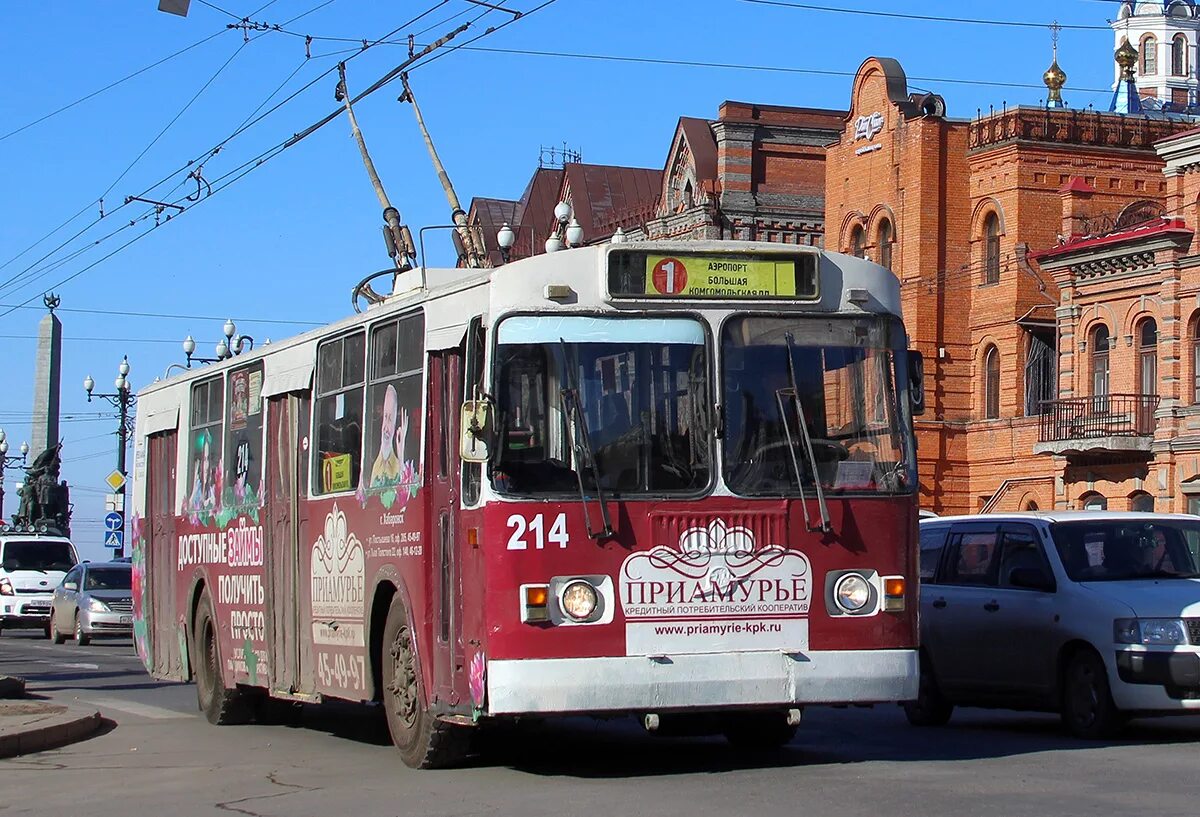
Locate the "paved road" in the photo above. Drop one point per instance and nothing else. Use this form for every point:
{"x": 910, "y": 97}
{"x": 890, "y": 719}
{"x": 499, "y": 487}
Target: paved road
{"x": 161, "y": 757}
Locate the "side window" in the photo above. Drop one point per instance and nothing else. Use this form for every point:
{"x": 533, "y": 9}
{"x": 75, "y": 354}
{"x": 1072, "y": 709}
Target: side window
{"x": 933, "y": 539}
{"x": 473, "y": 385}
{"x": 339, "y": 414}
{"x": 244, "y": 443}
{"x": 204, "y": 451}
{"x": 973, "y": 555}
{"x": 394, "y": 406}
{"x": 73, "y": 576}
{"x": 1020, "y": 549}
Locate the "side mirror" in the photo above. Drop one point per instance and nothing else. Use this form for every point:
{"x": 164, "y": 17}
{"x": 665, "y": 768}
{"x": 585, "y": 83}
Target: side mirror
{"x": 1031, "y": 578}
{"x": 475, "y": 431}
{"x": 70, "y": 585}
{"x": 916, "y": 381}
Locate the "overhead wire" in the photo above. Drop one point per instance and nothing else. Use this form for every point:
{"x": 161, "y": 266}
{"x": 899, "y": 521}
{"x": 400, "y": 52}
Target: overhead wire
{"x": 928, "y": 18}
{"x": 171, "y": 316}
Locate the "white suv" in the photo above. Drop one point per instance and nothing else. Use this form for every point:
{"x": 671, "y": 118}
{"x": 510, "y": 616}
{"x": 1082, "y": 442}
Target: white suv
{"x": 31, "y": 566}
{"x": 1092, "y": 614}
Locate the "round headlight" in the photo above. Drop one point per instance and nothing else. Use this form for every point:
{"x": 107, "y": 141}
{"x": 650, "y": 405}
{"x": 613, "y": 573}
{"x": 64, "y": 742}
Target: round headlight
{"x": 852, "y": 592}
{"x": 579, "y": 600}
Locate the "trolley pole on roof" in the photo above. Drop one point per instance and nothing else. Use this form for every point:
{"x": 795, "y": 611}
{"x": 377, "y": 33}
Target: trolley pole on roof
{"x": 473, "y": 255}
{"x": 396, "y": 233}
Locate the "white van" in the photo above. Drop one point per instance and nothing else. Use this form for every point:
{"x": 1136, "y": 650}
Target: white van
{"x": 31, "y": 566}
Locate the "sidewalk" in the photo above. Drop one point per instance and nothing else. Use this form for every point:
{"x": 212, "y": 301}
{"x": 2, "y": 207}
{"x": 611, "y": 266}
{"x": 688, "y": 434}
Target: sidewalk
{"x": 33, "y": 724}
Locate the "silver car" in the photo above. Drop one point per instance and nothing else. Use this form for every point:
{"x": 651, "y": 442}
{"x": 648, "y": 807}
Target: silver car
{"x": 94, "y": 599}
{"x": 1092, "y": 614}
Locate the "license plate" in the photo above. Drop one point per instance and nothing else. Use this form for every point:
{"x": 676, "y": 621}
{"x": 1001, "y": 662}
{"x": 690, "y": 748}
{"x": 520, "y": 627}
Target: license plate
{"x": 126, "y": 619}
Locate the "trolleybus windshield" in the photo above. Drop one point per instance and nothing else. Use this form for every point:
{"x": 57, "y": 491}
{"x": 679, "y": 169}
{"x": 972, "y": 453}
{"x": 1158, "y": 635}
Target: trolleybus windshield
{"x": 845, "y": 378}
{"x": 642, "y": 386}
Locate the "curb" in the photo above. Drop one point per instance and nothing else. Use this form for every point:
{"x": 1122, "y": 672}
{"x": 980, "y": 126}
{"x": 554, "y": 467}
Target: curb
{"x": 70, "y": 725}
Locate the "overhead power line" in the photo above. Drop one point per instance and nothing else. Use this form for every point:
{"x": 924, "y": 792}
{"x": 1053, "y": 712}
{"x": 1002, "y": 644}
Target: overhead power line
{"x": 928, "y": 18}
{"x": 127, "y": 314}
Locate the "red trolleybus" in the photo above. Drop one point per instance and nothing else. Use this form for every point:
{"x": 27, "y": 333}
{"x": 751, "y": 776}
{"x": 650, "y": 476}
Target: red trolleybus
{"x": 670, "y": 480}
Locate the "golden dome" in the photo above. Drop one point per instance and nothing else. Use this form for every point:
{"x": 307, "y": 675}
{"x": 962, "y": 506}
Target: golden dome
{"x": 1055, "y": 78}
{"x": 1126, "y": 57}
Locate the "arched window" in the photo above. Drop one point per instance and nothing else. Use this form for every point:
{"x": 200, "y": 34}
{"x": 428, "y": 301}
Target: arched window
{"x": 884, "y": 243}
{"x": 991, "y": 249}
{"x": 1149, "y": 55}
{"x": 1148, "y": 357}
{"x": 1030, "y": 505}
{"x": 1179, "y": 66}
{"x": 1100, "y": 344}
{"x": 1196, "y": 361}
{"x": 1093, "y": 502}
{"x": 1141, "y": 502}
{"x": 856, "y": 242}
{"x": 991, "y": 383}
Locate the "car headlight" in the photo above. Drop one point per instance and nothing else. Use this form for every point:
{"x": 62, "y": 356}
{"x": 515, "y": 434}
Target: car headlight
{"x": 852, "y": 592}
{"x": 1150, "y": 631}
{"x": 579, "y": 600}
{"x": 97, "y": 606}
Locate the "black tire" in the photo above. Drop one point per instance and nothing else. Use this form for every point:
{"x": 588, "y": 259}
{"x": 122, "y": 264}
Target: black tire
{"x": 220, "y": 705}
{"x": 46, "y": 631}
{"x": 931, "y": 707}
{"x": 759, "y": 731}
{"x": 1088, "y": 710}
{"x": 55, "y": 635}
{"x": 82, "y": 639}
{"x": 424, "y": 742}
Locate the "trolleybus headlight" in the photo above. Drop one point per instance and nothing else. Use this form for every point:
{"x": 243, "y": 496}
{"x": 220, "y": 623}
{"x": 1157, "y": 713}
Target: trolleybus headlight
{"x": 579, "y": 600}
{"x": 852, "y": 592}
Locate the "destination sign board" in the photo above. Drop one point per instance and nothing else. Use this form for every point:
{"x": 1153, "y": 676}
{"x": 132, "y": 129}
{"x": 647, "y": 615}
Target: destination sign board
{"x": 640, "y": 274}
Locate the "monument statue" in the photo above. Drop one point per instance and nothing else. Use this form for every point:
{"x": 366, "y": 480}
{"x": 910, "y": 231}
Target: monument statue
{"x": 45, "y": 501}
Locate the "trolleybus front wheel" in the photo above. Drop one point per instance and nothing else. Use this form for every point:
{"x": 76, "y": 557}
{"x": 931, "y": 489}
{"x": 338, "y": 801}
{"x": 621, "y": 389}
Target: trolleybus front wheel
{"x": 424, "y": 741}
{"x": 220, "y": 705}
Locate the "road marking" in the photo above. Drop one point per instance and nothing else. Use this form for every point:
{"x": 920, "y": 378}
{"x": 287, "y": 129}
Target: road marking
{"x": 158, "y": 713}
{"x": 78, "y": 666}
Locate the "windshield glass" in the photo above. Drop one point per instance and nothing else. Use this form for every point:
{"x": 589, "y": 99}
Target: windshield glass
{"x": 848, "y": 406}
{"x": 1106, "y": 550}
{"x": 108, "y": 578}
{"x": 36, "y": 555}
{"x": 643, "y": 395}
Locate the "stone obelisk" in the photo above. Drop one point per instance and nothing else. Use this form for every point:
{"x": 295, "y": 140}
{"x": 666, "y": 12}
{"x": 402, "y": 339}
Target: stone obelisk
{"x": 46, "y": 380}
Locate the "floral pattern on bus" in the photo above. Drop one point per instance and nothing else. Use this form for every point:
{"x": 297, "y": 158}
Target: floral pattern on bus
{"x": 141, "y": 600}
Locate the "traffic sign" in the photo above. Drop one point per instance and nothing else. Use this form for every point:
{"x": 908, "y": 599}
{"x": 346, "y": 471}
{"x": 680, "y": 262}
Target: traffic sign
{"x": 113, "y": 521}
{"x": 114, "y": 539}
{"x": 114, "y": 502}
{"x": 115, "y": 480}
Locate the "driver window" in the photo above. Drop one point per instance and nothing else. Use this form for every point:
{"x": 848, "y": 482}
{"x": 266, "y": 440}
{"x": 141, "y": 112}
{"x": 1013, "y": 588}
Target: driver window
{"x": 1021, "y": 549}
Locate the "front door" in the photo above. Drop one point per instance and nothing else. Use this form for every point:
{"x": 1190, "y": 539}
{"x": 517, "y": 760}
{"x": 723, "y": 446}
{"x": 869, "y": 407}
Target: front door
{"x": 165, "y": 621}
{"x": 285, "y": 516}
{"x": 445, "y": 390}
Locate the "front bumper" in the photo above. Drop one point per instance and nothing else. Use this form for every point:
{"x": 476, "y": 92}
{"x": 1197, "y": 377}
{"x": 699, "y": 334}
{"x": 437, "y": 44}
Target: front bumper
{"x": 707, "y": 681}
{"x": 106, "y": 623}
{"x": 1176, "y": 672}
{"x": 24, "y": 611}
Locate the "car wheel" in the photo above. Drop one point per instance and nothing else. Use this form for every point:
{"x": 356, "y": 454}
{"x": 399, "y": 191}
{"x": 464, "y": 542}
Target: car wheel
{"x": 82, "y": 639}
{"x": 1088, "y": 710}
{"x": 760, "y": 731}
{"x": 424, "y": 741}
{"x": 221, "y": 705}
{"x": 55, "y": 635}
{"x": 46, "y": 631}
{"x": 930, "y": 708}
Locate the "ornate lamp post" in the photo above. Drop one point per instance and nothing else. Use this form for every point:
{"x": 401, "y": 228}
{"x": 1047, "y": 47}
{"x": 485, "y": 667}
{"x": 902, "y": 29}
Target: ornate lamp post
{"x": 122, "y": 400}
{"x": 5, "y": 465}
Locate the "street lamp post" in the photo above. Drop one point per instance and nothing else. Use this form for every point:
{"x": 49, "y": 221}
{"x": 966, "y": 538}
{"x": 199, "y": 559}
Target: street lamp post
{"x": 122, "y": 400}
{"x": 5, "y": 465}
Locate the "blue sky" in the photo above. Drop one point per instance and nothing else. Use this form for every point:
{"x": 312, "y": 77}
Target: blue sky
{"x": 287, "y": 241}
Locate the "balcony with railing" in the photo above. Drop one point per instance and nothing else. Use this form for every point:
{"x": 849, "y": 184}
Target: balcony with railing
{"x": 1101, "y": 424}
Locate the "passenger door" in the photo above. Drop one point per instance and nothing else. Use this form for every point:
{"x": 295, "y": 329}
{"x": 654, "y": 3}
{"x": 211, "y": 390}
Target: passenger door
{"x": 164, "y": 619}
{"x": 62, "y": 608}
{"x": 958, "y": 606}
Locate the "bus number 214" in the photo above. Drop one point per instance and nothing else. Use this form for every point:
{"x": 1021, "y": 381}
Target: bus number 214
{"x": 535, "y": 527}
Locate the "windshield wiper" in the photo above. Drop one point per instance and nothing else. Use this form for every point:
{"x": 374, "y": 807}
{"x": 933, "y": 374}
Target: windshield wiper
{"x": 581, "y": 445}
{"x": 798, "y": 409}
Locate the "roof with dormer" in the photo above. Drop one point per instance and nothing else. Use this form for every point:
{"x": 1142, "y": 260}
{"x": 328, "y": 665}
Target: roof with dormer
{"x": 1147, "y": 8}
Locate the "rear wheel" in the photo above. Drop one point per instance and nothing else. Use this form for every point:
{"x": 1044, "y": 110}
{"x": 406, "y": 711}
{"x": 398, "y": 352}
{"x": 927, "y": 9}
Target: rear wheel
{"x": 46, "y": 631}
{"x": 219, "y": 704}
{"x": 1088, "y": 709}
{"x": 760, "y": 731}
{"x": 930, "y": 708}
{"x": 82, "y": 639}
{"x": 423, "y": 741}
